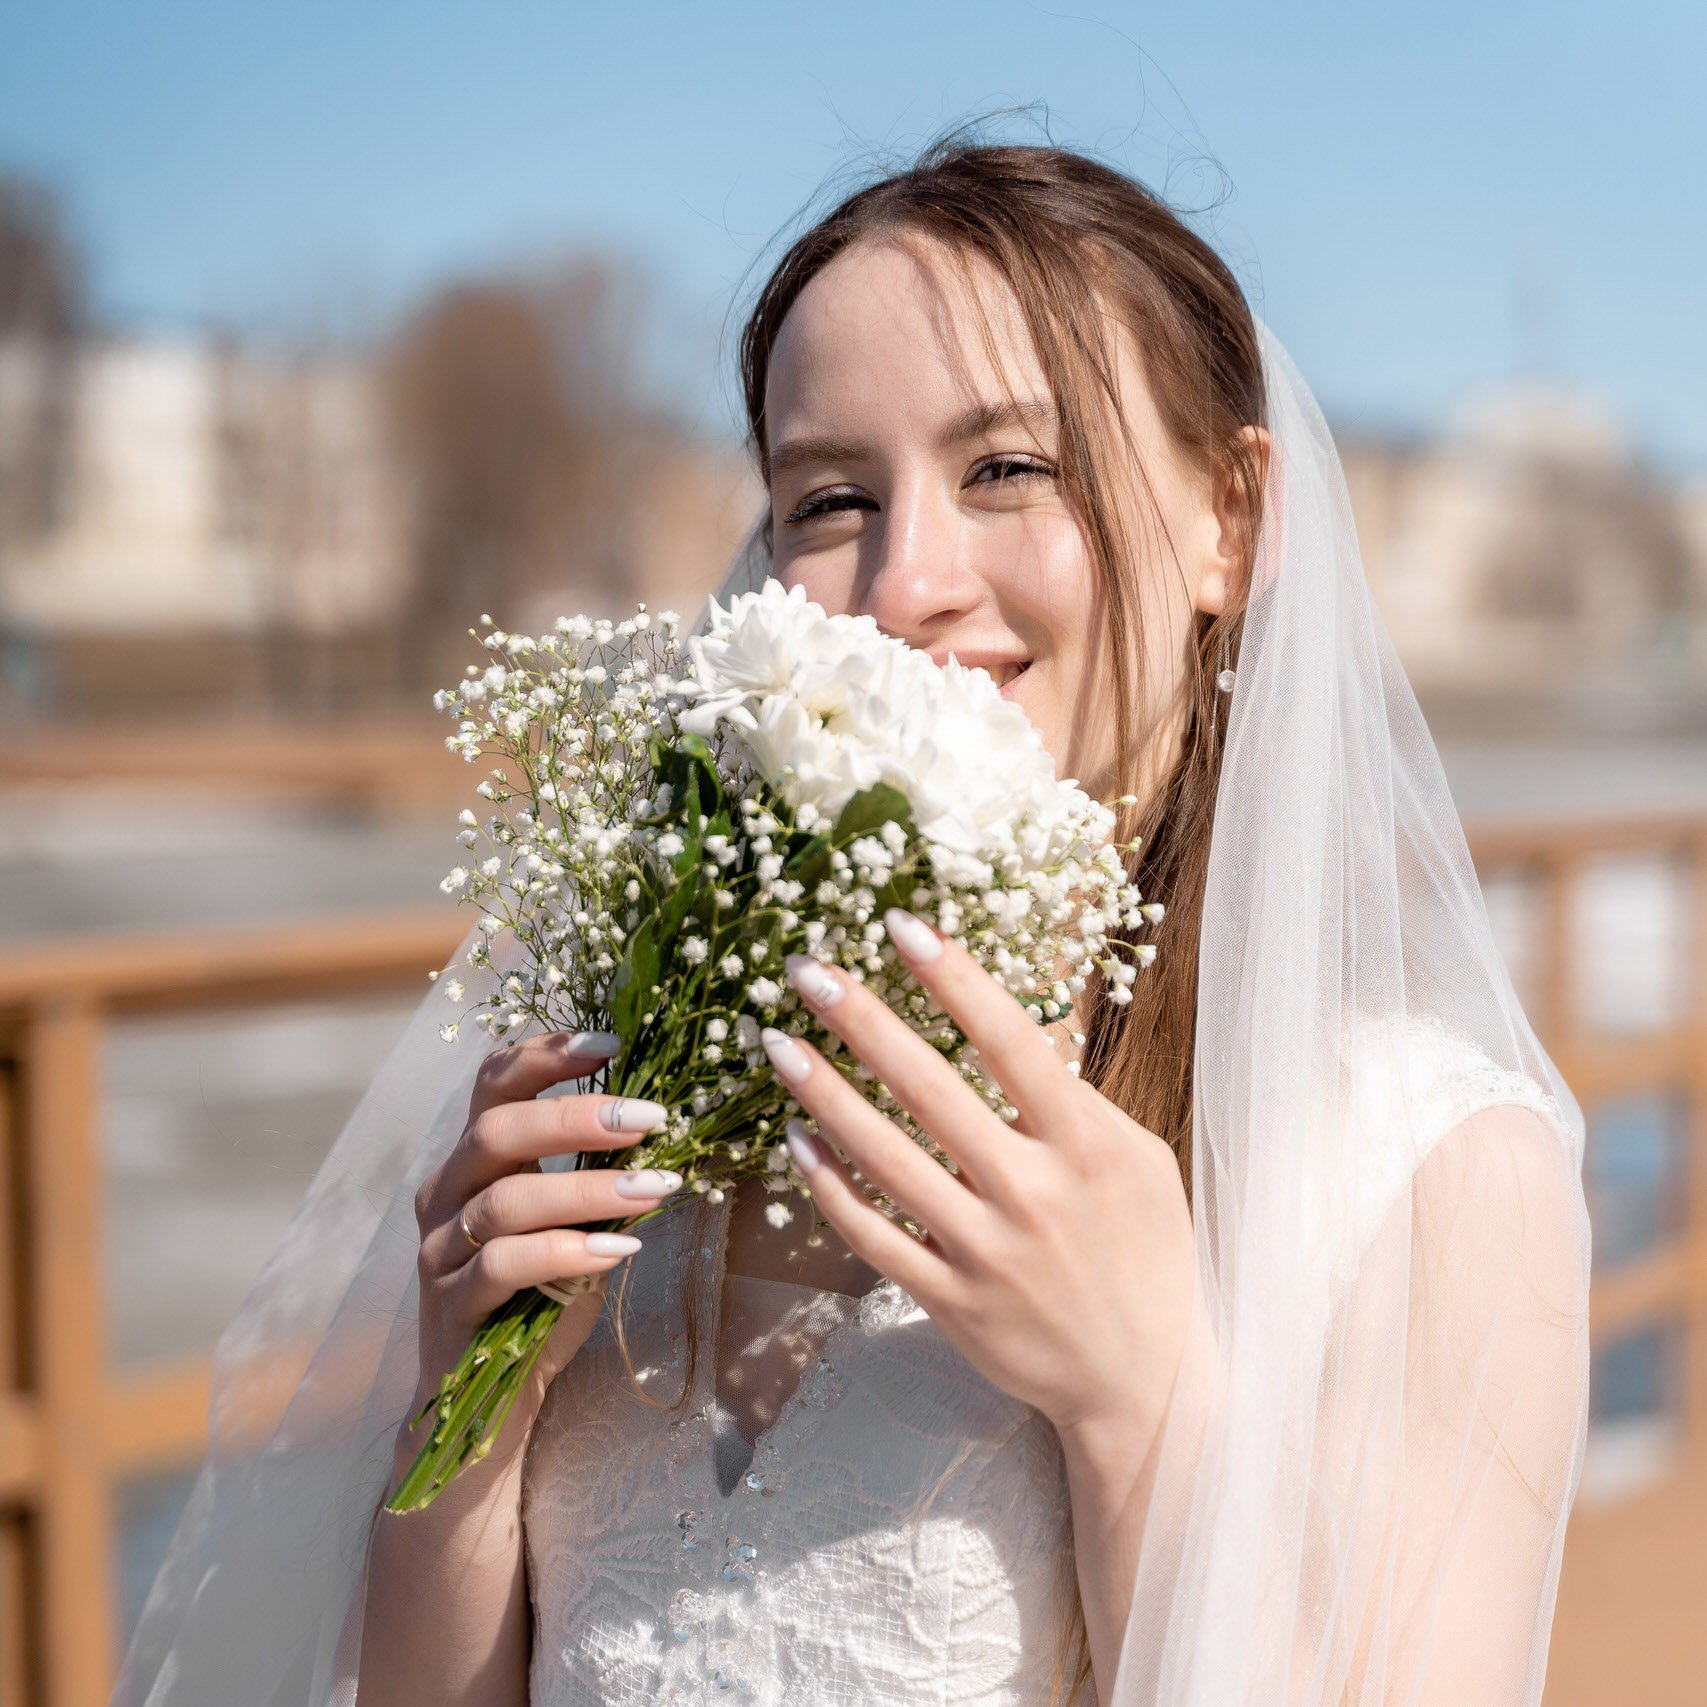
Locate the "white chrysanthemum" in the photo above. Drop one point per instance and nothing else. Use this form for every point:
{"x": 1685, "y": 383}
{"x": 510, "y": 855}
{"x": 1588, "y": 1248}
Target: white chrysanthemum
{"x": 767, "y": 642}
{"x": 829, "y": 705}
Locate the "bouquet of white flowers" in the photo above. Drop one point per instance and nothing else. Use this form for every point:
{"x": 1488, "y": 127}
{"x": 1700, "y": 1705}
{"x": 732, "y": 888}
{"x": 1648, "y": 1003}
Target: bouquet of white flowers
{"x": 667, "y": 834}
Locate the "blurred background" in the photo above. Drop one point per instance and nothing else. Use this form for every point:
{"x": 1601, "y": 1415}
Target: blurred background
{"x": 325, "y": 330}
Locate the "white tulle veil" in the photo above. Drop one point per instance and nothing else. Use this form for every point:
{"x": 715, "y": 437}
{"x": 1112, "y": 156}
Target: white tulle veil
{"x": 1361, "y": 1489}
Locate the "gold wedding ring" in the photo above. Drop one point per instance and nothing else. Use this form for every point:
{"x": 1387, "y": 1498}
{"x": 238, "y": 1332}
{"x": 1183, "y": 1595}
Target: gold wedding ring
{"x": 462, "y": 1221}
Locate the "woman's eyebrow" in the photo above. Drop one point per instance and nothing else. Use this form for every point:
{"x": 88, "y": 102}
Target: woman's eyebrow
{"x": 974, "y": 423}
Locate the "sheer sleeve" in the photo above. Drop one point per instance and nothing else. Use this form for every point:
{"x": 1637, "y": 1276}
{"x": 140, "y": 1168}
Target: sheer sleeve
{"x": 1392, "y": 1531}
{"x": 1492, "y": 1415}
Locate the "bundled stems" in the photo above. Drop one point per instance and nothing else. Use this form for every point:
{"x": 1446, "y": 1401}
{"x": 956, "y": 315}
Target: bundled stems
{"x": 491, "y": 1370}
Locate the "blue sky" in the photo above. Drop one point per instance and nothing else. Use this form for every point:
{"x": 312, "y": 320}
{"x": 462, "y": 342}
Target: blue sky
{"x": 1422, "y": 200}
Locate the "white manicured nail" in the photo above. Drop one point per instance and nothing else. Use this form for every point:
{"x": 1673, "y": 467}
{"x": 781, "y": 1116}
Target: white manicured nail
{"x": 646, "y": 1182}
{"x": 814, "y": 980}
{"x": 612, "y": 1244}
{"x": 604, "y": 1043}
{"x": 915, "y": 939}
{"x": 633, "y": 1114}
{"x": 786, "y": 1055}
{"x": 802, "y": 1146}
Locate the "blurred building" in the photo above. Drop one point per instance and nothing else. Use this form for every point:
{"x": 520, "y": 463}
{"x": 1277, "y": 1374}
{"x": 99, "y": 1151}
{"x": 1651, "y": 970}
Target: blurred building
{"x": 1537, "y": 577}
{"x": 226, "y": 516}
{"x": 233, "y": 529}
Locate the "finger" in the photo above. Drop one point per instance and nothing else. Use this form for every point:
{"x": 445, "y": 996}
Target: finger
{"x": 512, "y": 1134}
{"x": 922, "y": 1188}
{"x": 529, "y": 1202}
{"x": 501, "y": 1269}
{"x": 920, "y": 1267}
{"x": 535, "y": 1064}
{"x": 1010, "y": 1042}
{"x": 920, "y": 1079}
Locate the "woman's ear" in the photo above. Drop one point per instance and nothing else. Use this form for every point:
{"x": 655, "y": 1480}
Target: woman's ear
{"x": 1228, "y": 562}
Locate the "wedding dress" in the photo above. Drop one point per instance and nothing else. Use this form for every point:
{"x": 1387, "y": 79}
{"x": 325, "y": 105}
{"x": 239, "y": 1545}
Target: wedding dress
{"x": 681, "y": 1555}
{"x": 1362, "y": 1481}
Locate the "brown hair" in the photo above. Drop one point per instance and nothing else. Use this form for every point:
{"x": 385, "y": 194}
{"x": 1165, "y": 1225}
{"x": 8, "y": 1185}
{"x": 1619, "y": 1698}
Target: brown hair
{"x": 1074, "y": 239}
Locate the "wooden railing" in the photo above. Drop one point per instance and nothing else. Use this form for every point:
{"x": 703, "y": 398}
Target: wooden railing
{"x": 73, "y": 1430}
{"x": 370, "y": 764}
{"x": 1669, "y": 1283}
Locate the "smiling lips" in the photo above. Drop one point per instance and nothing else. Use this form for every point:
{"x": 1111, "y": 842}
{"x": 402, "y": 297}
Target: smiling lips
{"x": 1004, "y": 672}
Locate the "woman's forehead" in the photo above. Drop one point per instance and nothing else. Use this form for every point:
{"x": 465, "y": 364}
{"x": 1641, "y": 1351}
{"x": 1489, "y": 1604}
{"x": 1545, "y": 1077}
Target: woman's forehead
{"x": 892, "y": 311}
{"x": 901, "y": 322}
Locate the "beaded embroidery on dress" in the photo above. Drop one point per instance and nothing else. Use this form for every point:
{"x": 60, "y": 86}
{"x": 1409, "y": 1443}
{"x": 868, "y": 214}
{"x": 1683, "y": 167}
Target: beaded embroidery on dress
{"x": 671, "y": 1561}
{"x": 801, "y": 1582}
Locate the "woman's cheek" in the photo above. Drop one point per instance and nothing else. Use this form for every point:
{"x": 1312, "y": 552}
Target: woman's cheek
{"x": 824, "y": 585}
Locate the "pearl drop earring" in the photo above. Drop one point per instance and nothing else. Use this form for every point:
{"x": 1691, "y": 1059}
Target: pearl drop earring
{"x": 1224, "y": 681}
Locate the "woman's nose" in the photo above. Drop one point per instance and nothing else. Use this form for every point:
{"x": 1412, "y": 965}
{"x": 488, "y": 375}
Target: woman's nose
{"x": 920, "y": 574}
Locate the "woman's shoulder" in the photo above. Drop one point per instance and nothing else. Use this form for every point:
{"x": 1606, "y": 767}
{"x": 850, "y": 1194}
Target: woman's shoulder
{"x": 1416, "y": 1074}
{"x": 1407, "y": 1080}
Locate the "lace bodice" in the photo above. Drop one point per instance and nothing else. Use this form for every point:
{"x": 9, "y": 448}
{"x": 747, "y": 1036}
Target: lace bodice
{"x": 670, "y": 1561}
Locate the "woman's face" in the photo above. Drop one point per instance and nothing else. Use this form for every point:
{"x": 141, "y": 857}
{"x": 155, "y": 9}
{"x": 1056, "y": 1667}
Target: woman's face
{"x": 904, "y": 485}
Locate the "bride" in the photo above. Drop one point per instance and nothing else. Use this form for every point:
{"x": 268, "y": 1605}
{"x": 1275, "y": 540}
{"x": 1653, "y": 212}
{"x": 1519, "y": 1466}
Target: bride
{"x": 1248, "y": 1366}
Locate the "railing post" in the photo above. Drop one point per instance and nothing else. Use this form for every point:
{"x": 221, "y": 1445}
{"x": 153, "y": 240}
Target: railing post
{"x": 67, "y": 1332}
{"x": 1558, "y": 1022}
{"x": 1695, "y": 1230}
{"x": 20, "y": 1645}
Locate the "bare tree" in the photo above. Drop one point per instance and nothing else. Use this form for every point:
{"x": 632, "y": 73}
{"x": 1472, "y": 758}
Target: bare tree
{"x": 41, "y": 323}
{"x": 515, "y": 415}
{"x": 41, "y": 326}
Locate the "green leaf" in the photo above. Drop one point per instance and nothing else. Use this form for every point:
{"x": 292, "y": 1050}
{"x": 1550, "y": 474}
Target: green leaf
{"x": 869, "y": 811}
{"x": 677, "y": 905}
{"x": 810, "y": 862}
{"x": 689, "y": 766}
{"x": 631, "y": 997}
{"x": 898, "y": 891}
{"x": 864, "y": 815}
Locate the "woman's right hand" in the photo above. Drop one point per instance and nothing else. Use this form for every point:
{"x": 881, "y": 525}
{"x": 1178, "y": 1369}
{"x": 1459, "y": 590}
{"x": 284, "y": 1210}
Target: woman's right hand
{"x": 446, "y": 1604}
{"x": 524, "y": 1217}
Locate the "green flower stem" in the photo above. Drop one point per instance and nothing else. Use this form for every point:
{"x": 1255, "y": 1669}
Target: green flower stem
{"x": 494, "y": 1366}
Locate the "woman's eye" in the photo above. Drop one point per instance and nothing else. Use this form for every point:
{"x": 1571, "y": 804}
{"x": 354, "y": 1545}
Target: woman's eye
{"x": 825, "y": 503}
{"x": 1013, "y": 468}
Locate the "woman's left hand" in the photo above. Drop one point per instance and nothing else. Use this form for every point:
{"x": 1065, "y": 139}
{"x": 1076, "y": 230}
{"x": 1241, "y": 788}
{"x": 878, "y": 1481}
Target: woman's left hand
{"x": 1059, "y": 1260}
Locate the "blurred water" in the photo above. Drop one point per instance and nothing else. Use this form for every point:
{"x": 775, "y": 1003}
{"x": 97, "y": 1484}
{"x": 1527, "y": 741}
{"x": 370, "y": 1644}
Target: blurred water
{"x": 103, "y": 861}
{"x": 214, "y": 1124}
{"x": 214, "y": 1127}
